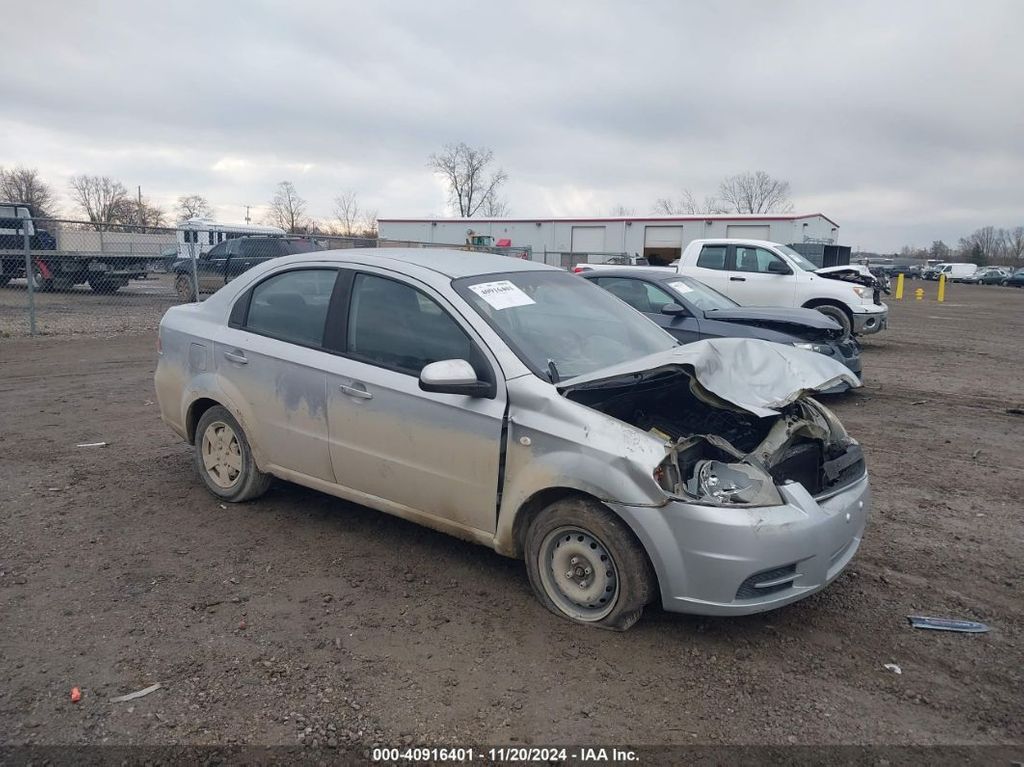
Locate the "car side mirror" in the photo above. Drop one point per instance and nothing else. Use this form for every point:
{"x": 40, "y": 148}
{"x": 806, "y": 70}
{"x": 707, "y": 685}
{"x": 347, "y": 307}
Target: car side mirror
{"x": 777, "y": 267}
{"x": 674, "y": 310}
{"x": 452, "y": 377}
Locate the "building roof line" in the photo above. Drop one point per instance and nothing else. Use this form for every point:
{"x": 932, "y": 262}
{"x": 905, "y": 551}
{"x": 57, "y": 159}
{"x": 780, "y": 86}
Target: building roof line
{"x": 611, "y": 219}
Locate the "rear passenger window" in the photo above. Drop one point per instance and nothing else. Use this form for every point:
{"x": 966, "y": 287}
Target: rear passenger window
{"x": 712, "y": 257}
{"x": 396, "y": 326}
{"x": 292, "y": 305}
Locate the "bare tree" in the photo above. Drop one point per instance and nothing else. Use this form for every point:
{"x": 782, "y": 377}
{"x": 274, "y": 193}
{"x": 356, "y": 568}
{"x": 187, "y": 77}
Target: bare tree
{"x": 98, "y": 197}
{"x": 985, "y": 243}
{"x": 621, "y": 210}
{"x": 287, "y": 209}
{"x": 495, "y": 207}
{"x": 369, "y": 223}
{"x": 939, "y": 250}
{"x": 138, "y": 213}
{"x": 192, "y": 206}
{"x": 472, "y": 189}
{"x": 755, "y": 192}
{"x": 1014, "y": 243}
{"x": 687, "y": 205}
{"x": 24, "y": 185}
{"x": 346, "y": 210}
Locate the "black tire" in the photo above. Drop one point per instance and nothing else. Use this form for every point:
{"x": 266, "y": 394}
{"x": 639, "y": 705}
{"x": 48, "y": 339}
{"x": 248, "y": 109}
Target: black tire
{"x": 4, "y": 279}
{"x": 840, "y": 315}
{"x": 249, "y": 482}
{"x": 1005, "y": 283}
{"x": 184, "y": 288}
{"x": 105, "y": 284}
{"x": 593, "y": 538}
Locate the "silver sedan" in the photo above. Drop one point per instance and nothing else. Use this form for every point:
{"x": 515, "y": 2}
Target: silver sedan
{"x": 520, "y": 407}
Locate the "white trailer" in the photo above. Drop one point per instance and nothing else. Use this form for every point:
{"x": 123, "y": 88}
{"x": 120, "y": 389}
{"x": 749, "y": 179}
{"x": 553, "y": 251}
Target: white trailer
{"x": 660, "y": 239}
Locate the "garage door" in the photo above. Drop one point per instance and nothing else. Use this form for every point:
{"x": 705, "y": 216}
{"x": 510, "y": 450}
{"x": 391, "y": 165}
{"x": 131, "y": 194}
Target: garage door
{"x": 663, "y": 237}
{"x": 748, "y": 232}
{"x": 588, "y": 239}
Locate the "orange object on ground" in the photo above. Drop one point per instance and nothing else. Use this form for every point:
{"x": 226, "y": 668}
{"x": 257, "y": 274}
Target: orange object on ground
{"x": 76, "y": 695}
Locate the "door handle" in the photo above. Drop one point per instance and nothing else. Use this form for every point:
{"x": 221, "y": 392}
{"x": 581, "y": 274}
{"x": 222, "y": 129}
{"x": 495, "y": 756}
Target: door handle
{"x": 355, "y": 390}
{"x": 236, "y": 356}
{"x": 737, "y": 279}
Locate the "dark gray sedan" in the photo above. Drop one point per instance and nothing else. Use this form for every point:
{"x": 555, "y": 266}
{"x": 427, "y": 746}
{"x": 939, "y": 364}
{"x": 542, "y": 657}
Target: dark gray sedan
{"x": 691, "y": 311}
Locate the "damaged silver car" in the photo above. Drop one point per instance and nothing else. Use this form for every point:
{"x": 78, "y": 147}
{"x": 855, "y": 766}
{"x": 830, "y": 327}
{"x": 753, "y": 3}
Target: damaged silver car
{"x": 517, "y": 406}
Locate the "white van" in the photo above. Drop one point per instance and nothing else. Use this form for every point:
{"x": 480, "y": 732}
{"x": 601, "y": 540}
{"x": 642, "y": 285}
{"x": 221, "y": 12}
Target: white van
{"x": 956, "y": 271}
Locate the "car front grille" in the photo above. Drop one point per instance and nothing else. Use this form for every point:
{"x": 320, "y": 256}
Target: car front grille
{"x": 767, "y": 582}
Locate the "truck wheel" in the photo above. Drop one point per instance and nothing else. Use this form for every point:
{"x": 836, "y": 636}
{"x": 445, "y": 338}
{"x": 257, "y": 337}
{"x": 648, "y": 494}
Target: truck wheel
{"x": 41, "y": 283}
{"x": 224, "y": 459}
{"x": 585, "y": 564}
{"x": 4, "y": 279}
{"x": 839, "y": 315}
{"x": 105, "y": 284}
{"x": 183, "y": 287}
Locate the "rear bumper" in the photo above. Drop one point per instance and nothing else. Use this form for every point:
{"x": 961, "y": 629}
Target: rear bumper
{"x": 719, "y": 561}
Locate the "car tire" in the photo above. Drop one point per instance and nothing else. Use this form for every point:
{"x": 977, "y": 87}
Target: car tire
{"x": 578, "y": 543}
{"x": 40, "y": 283}
{"x": 1005, "y": 283}
{"x": 224, "y": 459}
{"x": 183, "y": 287}
{"x": 105, "y": 284}
{"x": 838, "y": 314}
{"x": 4, "y": 279}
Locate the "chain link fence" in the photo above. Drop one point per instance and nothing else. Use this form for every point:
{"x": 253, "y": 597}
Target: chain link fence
{"x": 62, "y": 277}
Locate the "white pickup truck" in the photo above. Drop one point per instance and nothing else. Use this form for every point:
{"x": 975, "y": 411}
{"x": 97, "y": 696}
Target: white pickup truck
{"x": 760, "y": 273}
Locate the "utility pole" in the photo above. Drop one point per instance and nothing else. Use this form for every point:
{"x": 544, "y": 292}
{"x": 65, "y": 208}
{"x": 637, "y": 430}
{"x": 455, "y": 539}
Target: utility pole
{"x": 247, "y": 219}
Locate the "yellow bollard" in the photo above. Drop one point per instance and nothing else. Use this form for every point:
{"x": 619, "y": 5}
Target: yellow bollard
{"x": 899, "y": 287}
{"x": 919, "y": 294}
{"x": 942, "y": 288}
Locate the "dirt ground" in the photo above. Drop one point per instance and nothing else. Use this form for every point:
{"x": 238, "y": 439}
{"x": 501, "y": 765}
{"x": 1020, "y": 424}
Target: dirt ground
{"x": 301, "y": 619}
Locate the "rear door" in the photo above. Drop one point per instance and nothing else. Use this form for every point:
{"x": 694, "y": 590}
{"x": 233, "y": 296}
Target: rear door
{"x": 712, "y": 267}
{"x": 271, "y": 358}
{"x": 750, "y": 281}
{"x": 434, "y": 454}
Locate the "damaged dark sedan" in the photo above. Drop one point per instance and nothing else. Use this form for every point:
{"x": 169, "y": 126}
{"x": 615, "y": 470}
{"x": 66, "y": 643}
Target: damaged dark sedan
{"x": 520, "y": 407}
{"x": 692, "y": 311}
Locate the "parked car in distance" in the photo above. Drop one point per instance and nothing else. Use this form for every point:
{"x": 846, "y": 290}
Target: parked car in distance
{"x": 226, "y": 260}
{"x": 932, "y": 272}
{"x": 515, "y": 405}
{"x": 691, "y": 311}
{"x": 957, "y": 271}
{"x": 988, "y": 275}
{"x": 1015, "y": 280}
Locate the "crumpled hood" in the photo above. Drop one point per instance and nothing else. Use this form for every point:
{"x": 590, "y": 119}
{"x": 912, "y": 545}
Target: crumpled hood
{"x": 760, "y": 377}
{"x": 857, "y": 273}
{"x": 797, "y": 321}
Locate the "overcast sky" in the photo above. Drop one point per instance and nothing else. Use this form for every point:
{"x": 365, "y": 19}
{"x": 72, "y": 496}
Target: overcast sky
{"x": 903, "y": 121}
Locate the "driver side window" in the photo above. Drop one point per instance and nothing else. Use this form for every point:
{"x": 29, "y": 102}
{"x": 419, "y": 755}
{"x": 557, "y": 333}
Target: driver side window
{"x": 756, "y": 260}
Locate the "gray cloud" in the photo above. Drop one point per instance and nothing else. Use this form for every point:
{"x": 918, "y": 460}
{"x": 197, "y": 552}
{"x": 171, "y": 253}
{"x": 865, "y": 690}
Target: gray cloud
{"x": 903, "y": 121}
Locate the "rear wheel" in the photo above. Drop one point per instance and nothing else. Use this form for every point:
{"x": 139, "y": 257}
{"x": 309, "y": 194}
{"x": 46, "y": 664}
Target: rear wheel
{"x": 106, "y": 284}
{"x": 586, "y": 565}
{"x": 183, "y": 287}
{"x": 224, "y": 459}
{"x": 4, "y": 279}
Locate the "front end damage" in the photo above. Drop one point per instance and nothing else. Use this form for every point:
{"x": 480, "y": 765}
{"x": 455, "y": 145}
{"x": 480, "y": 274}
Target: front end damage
{"x": 767, "y": 494}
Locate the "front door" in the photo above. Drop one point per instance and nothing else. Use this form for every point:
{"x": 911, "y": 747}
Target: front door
{"x": 433, "y": 453}
{"x": 752, "y": 283}
{"x": 210, "y": 267}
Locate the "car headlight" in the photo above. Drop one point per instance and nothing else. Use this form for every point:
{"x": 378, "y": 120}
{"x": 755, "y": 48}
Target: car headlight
{"x": 820, "y": 348}
{"x": 732, "y": 484}
{"x": 863, "y": 292}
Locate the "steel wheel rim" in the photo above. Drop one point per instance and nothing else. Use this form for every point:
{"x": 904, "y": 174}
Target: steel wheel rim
{"x": 578, "y": 573}
{"x": 222, "y": 455}
{"x": 183, "y": 285}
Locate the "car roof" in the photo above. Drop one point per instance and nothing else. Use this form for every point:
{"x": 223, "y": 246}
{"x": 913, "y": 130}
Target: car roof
{"x": 451, "y": 263}
{"x": 655, "y": 273}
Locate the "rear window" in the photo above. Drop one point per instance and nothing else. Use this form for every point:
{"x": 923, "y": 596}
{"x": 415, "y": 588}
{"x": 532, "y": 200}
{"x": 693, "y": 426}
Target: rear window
{"x": 712, "y": 257}
{"x": 299, "y": 246}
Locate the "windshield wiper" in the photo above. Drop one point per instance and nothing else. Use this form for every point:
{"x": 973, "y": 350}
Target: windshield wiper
{"x": 553, "y": 372}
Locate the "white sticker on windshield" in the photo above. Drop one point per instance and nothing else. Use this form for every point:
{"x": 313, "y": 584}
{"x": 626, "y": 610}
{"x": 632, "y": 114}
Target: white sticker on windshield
{"x": 501, "y": 294}
{"x": 680, "y": 287}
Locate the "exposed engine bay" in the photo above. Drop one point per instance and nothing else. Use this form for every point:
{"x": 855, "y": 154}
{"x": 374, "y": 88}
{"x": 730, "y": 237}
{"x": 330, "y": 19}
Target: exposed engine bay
{"x": 858, "y": 274}
{"x": 721, "y": 454}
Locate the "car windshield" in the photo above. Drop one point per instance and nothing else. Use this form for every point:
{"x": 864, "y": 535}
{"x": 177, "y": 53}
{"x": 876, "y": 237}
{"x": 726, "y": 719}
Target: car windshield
{"x": 559, "y": 325}
{"x": 699, "y": 294}
{"x": 802, "y": 262}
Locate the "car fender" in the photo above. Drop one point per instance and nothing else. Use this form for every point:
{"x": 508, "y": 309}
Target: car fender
{"x": 210, "y": 385}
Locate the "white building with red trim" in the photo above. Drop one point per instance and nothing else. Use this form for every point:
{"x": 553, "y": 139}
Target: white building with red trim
{"x": 659, "y": 238}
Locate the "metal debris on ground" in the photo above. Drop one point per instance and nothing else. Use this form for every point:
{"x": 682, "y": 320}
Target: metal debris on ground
{"x": 947, "y": 624}
{"x": 92, "y": 444}
{"x": 76, "y": 695}
{"x": 892, "y": 667}
{"x": 136, "y": 694}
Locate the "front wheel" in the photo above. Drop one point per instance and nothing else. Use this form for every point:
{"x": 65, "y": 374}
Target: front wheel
{"x": 224, "y": 459}
{"x": 585, "y": 564}
{"x": 40, "y": 282}
{"x": 839, "y": 315}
